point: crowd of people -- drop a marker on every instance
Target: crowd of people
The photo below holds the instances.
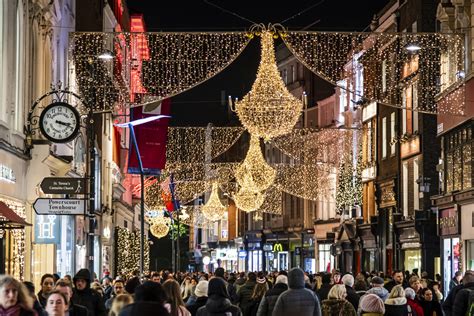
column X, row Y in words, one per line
column 234, row 294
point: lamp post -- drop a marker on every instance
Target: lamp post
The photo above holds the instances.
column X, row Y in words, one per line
column 131, row 126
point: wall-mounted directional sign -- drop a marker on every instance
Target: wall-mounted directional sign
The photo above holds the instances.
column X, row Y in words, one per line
column 54, row 185
column 59, row 206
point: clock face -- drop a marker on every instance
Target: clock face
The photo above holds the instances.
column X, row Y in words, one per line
column 59, row 122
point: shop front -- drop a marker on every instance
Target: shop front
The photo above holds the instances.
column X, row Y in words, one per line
column 368, row 245
column 323, row 239
column 346, row 247
column 467, row 237
column 227, row 258
column 409, row 254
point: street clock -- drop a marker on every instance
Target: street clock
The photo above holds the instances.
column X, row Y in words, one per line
column 59, row 122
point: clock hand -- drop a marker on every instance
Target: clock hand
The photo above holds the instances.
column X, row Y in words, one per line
column 64, row 123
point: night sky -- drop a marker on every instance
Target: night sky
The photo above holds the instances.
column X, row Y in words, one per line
column 203, row 104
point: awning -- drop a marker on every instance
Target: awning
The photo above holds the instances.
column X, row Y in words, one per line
column 9, row 219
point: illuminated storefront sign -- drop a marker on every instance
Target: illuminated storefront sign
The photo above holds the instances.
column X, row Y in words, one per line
column 47, row 229
column 277, row 247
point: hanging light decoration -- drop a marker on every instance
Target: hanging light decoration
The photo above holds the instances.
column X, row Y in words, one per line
column 248, row 200
column 254, row 172
column 269, row 109
column 159, row 224
column 213, row 210
column 159, row 230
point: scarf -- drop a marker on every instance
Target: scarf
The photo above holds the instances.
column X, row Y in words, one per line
column 11, row 311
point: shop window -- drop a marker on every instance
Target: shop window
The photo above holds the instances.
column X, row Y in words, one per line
column 458, row 164
column 470, row 255
column 392, row 134
column 384, row 138
column 326, row 260
column 412, row 259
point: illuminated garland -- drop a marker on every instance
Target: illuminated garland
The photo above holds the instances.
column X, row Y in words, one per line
column 248, row 200
column 170, row 63
column 187, row 144
column 127, row 252
column 269, row 109
column 329, row 54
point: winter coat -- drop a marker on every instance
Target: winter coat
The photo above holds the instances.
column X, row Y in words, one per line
column 323, row 291
column 352, row 297
column 415, row 306
column 396, row 307
column 232, row 289
column 217, row 305
column 144, row 309
column 379, row 291
column 245, row 293
column 269, row 300
column 88, row 297
column 462, row 299
column 449, row 301
column 41, row 299
column 200, row 302
column 297, row 300
column 431, row 308
column 335, row 307
column 238, row 284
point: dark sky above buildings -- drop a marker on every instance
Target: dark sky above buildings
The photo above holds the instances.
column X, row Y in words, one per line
column 202, row 104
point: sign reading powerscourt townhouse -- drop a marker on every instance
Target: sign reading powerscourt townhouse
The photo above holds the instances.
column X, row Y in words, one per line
column 44, row 206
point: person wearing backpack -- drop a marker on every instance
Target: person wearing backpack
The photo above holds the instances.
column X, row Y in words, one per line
column 464, row 301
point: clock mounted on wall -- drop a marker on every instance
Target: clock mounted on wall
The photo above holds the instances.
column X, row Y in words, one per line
column 59, row 122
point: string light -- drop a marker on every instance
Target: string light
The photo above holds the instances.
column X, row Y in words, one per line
column 169, row 63
column 213, row 210
column 381, row 54
column 248, row 200
column 254, row 172
column 269, row 109
column 159, row 230
column 128, row 252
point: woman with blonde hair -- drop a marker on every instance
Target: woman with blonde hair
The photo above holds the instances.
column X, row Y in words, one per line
column 14, row 298
column 396, row 303
column 98, row 288
column 120, row 301
column 174, row 301
column 258, row 292
column 336, row 304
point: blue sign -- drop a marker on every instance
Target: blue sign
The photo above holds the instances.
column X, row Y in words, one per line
column 47, row 229
column 242, row 254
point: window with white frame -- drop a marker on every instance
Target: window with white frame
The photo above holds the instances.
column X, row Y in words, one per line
column 293, row 74
column 416, row 194
column 285, row 76
column 18, row 114
column 342, row 100
column 384, row 75
column 359, row 82
column 405, row 188
column 384, row 137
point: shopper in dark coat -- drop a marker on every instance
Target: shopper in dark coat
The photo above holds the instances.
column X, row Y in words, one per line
column 397, row 279
column 218, row 302
column 431, row 307
column 267, row 305
column 201, row 297
column 297, row 300
column 85, row 296
column 149, row 301
column 352, row 296
column 245, row 291
column 462, row 297
column 325, row 287
column 396, row 303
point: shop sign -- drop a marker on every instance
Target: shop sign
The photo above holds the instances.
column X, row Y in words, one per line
column 277, row 247
column 44, row 206
column 449, row 222
column 227, row 254
column 6, row 174
column 242, row 254
column 267, row 247
column 47, row 229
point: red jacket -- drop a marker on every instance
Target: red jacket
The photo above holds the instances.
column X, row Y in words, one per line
column 415, row 306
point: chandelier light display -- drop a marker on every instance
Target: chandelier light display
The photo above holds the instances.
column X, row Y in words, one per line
column 254, row 172
column 213, row 210
column 269, row 109
column 159, row 224
column 248, row 200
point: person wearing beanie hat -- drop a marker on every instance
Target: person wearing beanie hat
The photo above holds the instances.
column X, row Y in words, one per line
column 371, row 305
column 352, row 296
column 201, row 293
column 297, row 300
column 378, row 288
column 218, row 300
column 269, row 300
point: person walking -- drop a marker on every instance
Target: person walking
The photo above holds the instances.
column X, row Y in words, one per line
column 431, row 307
column 119, row 303
column 463, row 300
column 65, row 287
column 218, row 301
column 352, row 296
column 396, row 303
column 201, row 297
column 85, row 296
column 56, row 304
column 326, row 286
column 258, row 292
column 413, row 302
column 336, row 303
column 297, row 300
column 14, row 298
column 267, row 305
column 150, row 299
column 378, row 288
column 371, row 305
column 456, row 280
column 397, row 279
column 246, row 291
column 175, row 303
column 47, row 285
